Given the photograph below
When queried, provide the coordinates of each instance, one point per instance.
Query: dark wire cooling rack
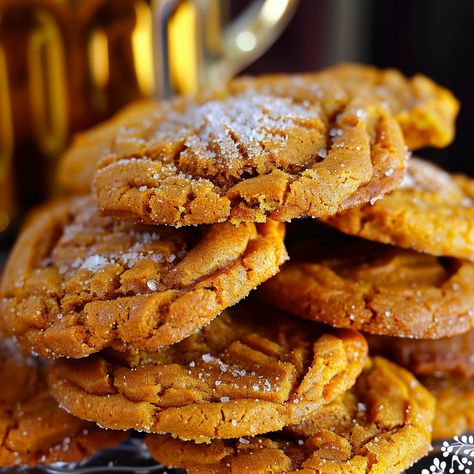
(132, 457)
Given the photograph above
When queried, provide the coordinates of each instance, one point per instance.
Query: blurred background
(68, 64)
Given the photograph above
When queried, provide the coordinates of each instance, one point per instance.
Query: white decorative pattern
(459, 454)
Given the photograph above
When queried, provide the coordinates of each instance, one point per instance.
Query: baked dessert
(249, 372)
(382, 425)
(451, 355)
(432, 212)
(33, 429)
(76, 282)
(249, 157)
(425, 111)
(379, 289)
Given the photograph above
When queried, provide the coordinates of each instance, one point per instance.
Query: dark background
(434, 37)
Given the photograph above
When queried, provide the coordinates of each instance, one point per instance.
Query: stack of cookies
(132, 286)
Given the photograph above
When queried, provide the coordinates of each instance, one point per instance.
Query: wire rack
(132, 457)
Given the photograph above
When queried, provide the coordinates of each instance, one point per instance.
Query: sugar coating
(376, 288)
(238, 376)
(432, 212)
(95, 282)
(251, 119)
(382, 424)
(283, 149)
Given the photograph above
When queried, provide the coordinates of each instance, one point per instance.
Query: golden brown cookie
(76, 283)
(432, 212)
(451, 355)
(77, 165)
(33, 429)
(425, 111)
(380, 289)
(246, 156)
(446, 368)
(454, 404)
(249, 372)
(381, 426)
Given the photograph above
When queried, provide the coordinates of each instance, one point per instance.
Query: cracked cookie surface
(251, 371)
(380, 289)
(246, 156)
(33, 429)
(381, 425)
(425, 110)
(432, 212)
(76, 282)
(76, 167)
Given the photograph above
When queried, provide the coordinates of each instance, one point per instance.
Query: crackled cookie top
(249, 156)
(33, 429)
(382, 425)
(450, 355)
(454, 404)
(76, 282)
(432, 212)
(249, 372)
(380, 289)
(76, 167)
(425, 111)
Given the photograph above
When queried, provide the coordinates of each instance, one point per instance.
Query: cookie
(33, 429)
(452, 355)
(454, 404)
(76, 283)
(382, 425)
(425, 111)
(249, 372)
(76, 167)
(250, 156)
(380, 289)
(432, 212)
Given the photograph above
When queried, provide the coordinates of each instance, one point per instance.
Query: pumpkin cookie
(248, 157)
(425, 111)
(446, 368)
(451, 355)
(76, 283)
(380, 289)
(432, 212)
(249, 372)
(382, 425)
(77, 166)
(454, 404)
(33, 429)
